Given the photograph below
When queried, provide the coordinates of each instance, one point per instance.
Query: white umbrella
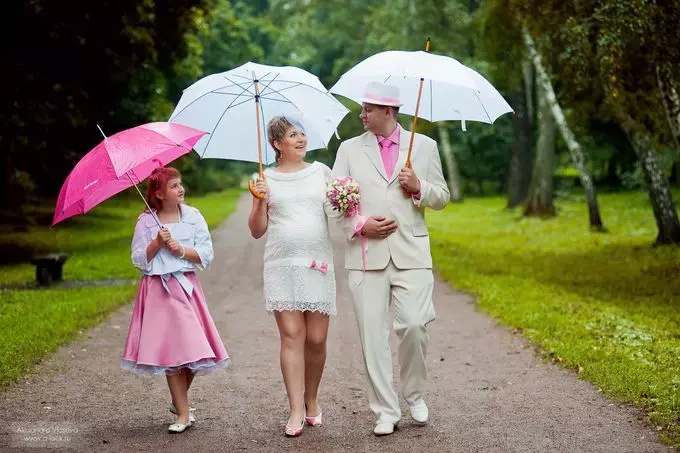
(234, 105)
(432, 87)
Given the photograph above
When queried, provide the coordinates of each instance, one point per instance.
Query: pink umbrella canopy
(121, 161)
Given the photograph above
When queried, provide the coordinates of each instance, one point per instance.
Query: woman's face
(293, 145)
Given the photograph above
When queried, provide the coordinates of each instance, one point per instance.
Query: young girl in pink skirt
(171, 331)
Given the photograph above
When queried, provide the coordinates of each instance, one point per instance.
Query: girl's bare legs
(178, 390)
(292, 330)
(189, 379)
(315, 358)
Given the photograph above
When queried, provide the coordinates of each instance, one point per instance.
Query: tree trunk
(670, 98)
(660, 196)
(540, 199)
(567, 135)
(528, 77)
(519, 171)
(452, 169)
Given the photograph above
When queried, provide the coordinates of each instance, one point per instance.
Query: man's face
(375, 117)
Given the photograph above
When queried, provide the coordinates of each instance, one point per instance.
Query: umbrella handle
(251, 187)
(415, 119)
(251, 184)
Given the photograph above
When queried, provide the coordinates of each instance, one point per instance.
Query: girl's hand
(160, 241)
(165, 235)
(174, 247)
(261, 187)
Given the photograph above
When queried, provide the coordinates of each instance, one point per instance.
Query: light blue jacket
(191, 231)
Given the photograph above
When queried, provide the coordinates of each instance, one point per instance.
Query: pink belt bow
(319, 265)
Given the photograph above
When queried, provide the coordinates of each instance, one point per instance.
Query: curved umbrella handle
(251, 187)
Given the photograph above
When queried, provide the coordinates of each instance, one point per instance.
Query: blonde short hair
(276, 131)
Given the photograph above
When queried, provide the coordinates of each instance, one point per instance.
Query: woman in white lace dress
(299, 281)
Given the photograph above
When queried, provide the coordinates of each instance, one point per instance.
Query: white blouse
(191, 231)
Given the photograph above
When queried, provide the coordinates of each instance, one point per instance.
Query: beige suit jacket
(409, 246)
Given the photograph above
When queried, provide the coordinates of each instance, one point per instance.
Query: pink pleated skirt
(170, 331)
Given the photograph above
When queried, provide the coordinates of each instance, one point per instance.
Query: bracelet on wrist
(182, 255)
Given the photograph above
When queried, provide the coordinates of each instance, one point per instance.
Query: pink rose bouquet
(343, 194)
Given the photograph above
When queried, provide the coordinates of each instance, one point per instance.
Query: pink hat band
(381, 99)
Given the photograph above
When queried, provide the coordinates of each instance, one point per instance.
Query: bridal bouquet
(343, 195)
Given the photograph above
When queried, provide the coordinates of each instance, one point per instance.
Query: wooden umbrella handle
(415, 116)
(415, 120)
(251, 184)
(251, 187)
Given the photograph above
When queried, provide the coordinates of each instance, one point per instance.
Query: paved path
(488, 392)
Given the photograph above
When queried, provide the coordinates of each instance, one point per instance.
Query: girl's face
(173, 194)
(293, 146)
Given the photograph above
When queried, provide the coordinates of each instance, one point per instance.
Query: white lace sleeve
(328, 209)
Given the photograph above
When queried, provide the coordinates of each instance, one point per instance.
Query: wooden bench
(49, 267)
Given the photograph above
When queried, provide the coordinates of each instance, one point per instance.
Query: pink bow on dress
(321, 266)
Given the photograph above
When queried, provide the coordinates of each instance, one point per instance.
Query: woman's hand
(261, 187)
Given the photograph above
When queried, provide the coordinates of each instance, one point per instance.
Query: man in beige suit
(397, 265)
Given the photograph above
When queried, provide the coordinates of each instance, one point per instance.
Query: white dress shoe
(178, 427)
(419, 412)
(384, 429)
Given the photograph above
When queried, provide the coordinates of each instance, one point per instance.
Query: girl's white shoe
(178, 427)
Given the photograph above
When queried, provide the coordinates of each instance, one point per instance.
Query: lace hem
(321, 307)
(199, 368)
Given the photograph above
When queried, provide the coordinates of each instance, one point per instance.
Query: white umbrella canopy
(451, 90)
(224, 105)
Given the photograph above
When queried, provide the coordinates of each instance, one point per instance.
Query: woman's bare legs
(315, 358)
(292, 330)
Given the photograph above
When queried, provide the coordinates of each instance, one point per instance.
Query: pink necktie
(385, 145)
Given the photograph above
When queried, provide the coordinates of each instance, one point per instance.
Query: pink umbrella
(121, 161)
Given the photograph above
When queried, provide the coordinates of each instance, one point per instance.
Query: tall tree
(548, 94)
(519, 171)
(539, 201)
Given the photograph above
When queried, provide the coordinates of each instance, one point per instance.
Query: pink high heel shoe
(314, 421)
(294, 432)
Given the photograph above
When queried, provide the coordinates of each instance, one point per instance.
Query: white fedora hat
(381, 94)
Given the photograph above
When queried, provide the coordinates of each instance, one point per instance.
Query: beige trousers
(411, 292)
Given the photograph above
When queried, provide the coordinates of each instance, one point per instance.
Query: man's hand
(377, 227)
(408, 180)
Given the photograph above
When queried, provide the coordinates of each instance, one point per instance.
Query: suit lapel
(372, 150)
(404, 138)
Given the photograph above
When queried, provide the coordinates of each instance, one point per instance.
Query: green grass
(35, 322)
(606, 305)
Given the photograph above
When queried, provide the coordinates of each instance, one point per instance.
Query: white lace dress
(298, 256)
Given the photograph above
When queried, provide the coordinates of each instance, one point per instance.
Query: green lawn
(35, 322)
(606, 305)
